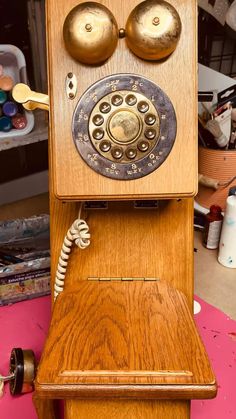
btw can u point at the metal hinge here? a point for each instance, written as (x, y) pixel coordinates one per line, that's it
(122, 279)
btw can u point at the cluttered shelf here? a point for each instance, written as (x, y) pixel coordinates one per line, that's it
(39, 133)
(24, 257)
(217, 138)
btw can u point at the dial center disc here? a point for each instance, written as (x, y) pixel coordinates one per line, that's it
(124, 126)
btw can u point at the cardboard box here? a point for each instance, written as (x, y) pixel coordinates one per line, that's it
(24, 258)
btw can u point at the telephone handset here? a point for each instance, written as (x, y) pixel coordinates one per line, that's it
(121, 124)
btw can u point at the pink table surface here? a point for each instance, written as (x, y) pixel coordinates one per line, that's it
(25, 325)
(218, 333)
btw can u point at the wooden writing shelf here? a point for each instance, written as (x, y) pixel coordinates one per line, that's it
(132, 339)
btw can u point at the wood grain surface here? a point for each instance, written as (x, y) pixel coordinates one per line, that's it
(122, 338)
(104, 409)
(46, 409)
(72, 178)
(128, 242)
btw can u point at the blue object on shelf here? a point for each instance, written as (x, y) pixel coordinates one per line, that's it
(10, 108)
(5, 124)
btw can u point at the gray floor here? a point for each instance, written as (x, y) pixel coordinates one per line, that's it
(213, 282)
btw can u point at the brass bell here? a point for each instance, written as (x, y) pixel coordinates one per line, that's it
(153, 29)
(90, 33)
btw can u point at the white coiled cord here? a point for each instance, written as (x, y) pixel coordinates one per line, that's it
(78, 233)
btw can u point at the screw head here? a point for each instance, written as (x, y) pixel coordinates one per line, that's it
(156, 21)
(88, 27)
(121, 33)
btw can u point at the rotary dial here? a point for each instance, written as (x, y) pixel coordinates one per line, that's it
(124, 126)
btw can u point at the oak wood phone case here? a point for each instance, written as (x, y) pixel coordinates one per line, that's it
(168, 84)
(122, 341)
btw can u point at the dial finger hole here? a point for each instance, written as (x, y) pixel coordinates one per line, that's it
(98, 134)
(117, 100)
(150, 133)
(143, 106)
(117, 152)
(143, 145)
(105, 107)
(131, 153)
(105, 146)
(98, 120)
(131, 100)
(150, 119)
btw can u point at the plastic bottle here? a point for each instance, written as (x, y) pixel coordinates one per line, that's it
(227, 247)
(213, 227)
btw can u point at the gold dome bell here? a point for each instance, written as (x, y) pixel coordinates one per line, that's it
(153, 29)
(90, 33)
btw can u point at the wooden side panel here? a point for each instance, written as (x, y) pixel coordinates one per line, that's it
(124, 409)
(72, 178)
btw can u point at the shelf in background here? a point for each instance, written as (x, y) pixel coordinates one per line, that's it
(39, 133)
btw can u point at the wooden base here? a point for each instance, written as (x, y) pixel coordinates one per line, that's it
(113, 409)
(45, 408)
(126, 409)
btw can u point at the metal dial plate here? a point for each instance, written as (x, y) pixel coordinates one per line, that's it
(124, 126)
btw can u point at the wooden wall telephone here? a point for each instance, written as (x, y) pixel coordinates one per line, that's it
(122, 83)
